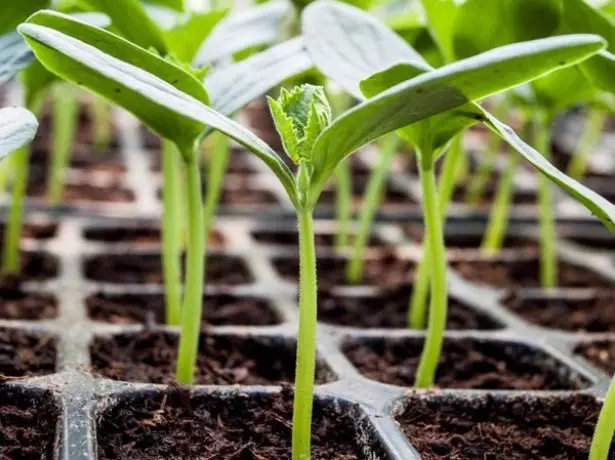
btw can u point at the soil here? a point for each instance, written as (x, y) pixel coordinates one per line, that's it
(220, 310)
(290, 239)
(523, 197)
(464, 364)
(28, 425)
(490, 428)
(175, 424)
(587, 314)
(243, 196)
(35, 266)
(35, 231)
(389, 309)
(239, 163)
(385, 270)
(223, 360)
(524, 272)
(16, 304)
(139, 235)
(147, 269)
(79, 193)
(89, 160)
(25, 354)
(601, 353)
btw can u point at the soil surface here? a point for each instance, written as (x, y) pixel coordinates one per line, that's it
(389, 309)
(28, 425)
(591, 314)
(524, 197)
(179, 426)
(25, 354)
(35, 266)
(147, 269)
(524, 272)
(387, 269)
(222, 360)
(488, 428)
(219, 310)
(290, 239)
(88, 160)
(138, 235)
(601, 353)
(78, 193)
(18, 304)
(464, 364)
(35, 231)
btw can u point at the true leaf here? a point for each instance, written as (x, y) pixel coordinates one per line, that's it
(257, 26)
(481, 25)
(17, 128)
(16, 11)
(185, 38)
(132, 21)
(162, 95)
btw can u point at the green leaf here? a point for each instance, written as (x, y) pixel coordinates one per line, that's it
(600, 70)
(132, 21)
(256, 26)
(563, 89)
(444, 89)
(15, 12)
(15, 55)
(234, 86)
(485, 24)
(177, 5)
(346, 59)
(441, 15)
(285, 127)
(116, 69)
(17, 128)
(582, 18)
(601, 208)
(167, 99)
(185, 38)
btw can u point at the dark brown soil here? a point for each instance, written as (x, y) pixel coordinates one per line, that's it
(138, 235)
(25, 354)
(389, 309)
(218, 310)
(89, 160)
(35, 231)
(490, 428)
(147, 269)
(238, 165)
(290, 239)
(78, 193)
(379, 271)
(28, 425)
(177, 425)
(18, 304)
(222, 360)
(464, 364)
(524, 272)
(244, 196)
(601, 353)
(587, 314)
(525, 197)
(35, 266)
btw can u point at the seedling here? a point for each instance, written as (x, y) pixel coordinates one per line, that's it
(335, 54)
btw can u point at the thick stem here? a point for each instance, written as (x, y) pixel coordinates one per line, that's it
(589, 140)
(195, 268)
(430, 357)
(64, 125)
(498, 220)
(343, 203)
(171, 232)
(101, 111)
(306, 342)
(548, 256)
(418, 300)
(6, 173)
(12, 237)
(603, 434)
(218, 162)
(371, 200)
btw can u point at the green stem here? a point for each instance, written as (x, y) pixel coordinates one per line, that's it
(343, 203)
(548, 257)
(430, 357)
(6, 173)
(195, 268)
(418, 300)
(64, 125)
(371, 200)
(603, 434)
(171, 232)
(12, 236)
(589, 140)
(101, 112)
(306, 344)
(218, 162)
(498, 220)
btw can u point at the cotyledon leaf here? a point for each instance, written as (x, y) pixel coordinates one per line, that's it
(13, 12)
(443, 89)
(17, 128)
(441, 15)
(15, 55)
(236, 85)
(186, 37)
(600, 70)
(154, 92)
(239, 31)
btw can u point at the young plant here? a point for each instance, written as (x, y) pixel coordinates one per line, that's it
(347, 60)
